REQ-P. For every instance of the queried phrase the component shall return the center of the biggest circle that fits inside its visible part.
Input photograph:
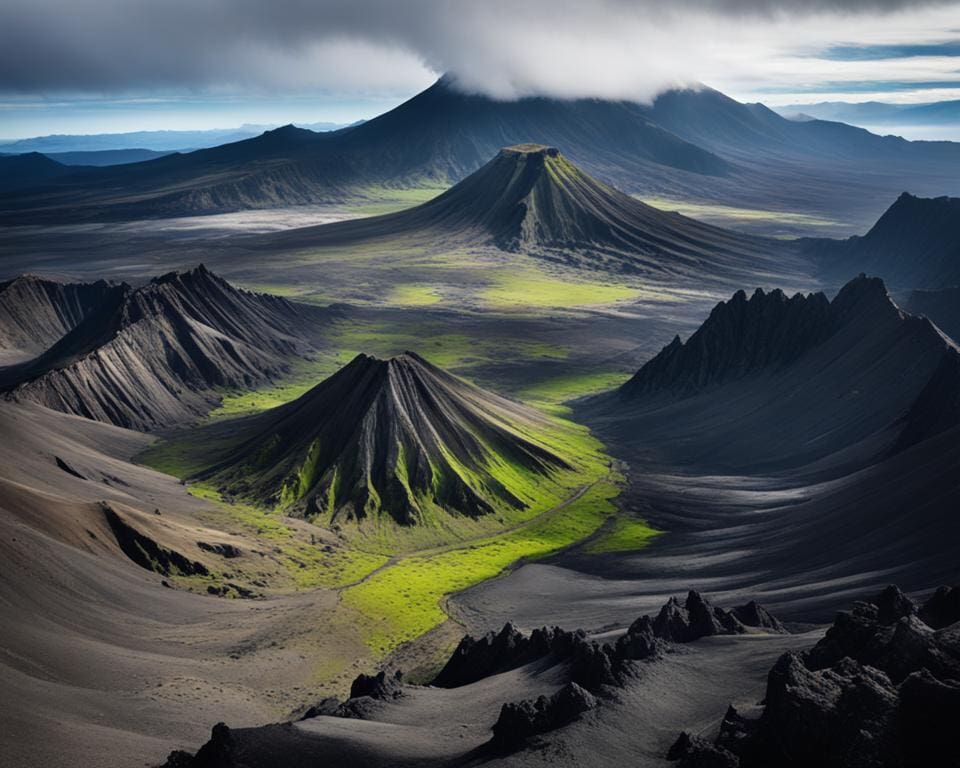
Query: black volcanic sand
(102, 665)
(802, 486)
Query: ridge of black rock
(592, 672)
(882, 688)
(148, 357)
(941, 306)
(397, 436)
(36, 311)
(678, 621)
(762, 334)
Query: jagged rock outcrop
(380, 686)
(521, 720)
(365, 692)
(495, 652)
(882, 688)
(594, 665)
(755, 615)
(399, 437)
(150, 357)
(762, 334)
(684, 622)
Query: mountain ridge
(696, 145)
(150, 357)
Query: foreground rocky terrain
(882, 687)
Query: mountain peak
(761, 334)
(147, 357)
(531, 150)
(398, 437)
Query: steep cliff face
(397, 437)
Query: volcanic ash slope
(149, 357)
(530, 199)
(400, 438)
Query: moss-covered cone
(396, 436)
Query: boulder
(519, 721)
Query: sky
(96, 66)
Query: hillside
(694, 144)
(915, 244)
(796, 380)
(530, 198)
(762, 334)
(941, 306)
(36, 311)
(399, 438)
(29, 170)
(149, 357)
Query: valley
(260, 456)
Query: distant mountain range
(691, 144)
(158, 141)
(878, 112)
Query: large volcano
(689, 144)
(530, 198)
(399, 437)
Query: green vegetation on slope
(550, 394)
(404, 600)
(530, 288)
(622, 534)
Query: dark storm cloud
(498, 46)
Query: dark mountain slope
(398, 437)
(445, 134)
(688, 144)
(804, 477)
(29, 170)
(764, 333)
(148, 357)
(781, 383)
(941, 306)
(531, 199)
(915, 244)
(36, 311)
